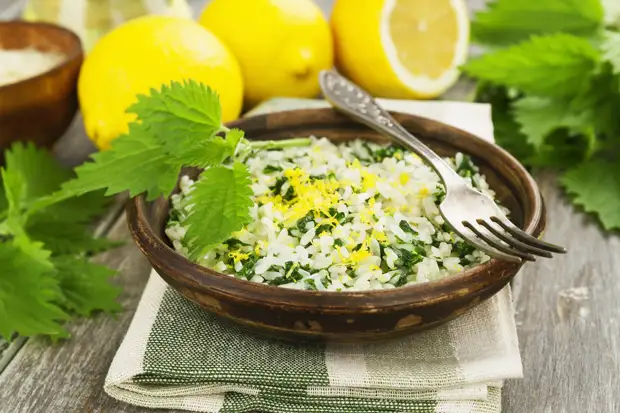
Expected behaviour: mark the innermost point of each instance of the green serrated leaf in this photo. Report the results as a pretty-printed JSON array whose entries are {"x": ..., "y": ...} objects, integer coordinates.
[
  {"x": 506, "y": 130},
  {"x": 595, "y": 185},
  {"x": 40, "y": 172},
  {"x": 86, "y": 286},
  {"x": 28, "y": 292},
  {"x": 215, "y": 151},
  {"x": 14, "y": 185},
  {"x": 80, "y": 209},
  {"x": 600, "y": 100},
  {"x": 550, "y": 66},
  {"x": 176, "y": 125},
  {"x": 221, "y": 201},
  {"x": 4, "y": 204},
  {"x": 539, "y": 117},
  {"x": 563, "y": 149},
  {"x": 66, "y": 237},
  {"x": 181, "y": 115},
  {"x": 135, "y": 163},
  {"x": 505, "y": 22}
]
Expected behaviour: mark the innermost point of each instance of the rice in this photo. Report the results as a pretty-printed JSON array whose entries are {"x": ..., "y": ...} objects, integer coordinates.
[{"x": 349, "y": 217}]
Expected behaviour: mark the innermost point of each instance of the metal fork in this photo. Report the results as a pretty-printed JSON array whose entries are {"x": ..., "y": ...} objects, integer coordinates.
[{"x": 474, "y": 216}]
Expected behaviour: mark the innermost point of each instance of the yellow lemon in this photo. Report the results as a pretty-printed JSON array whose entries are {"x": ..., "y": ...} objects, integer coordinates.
[
  {"x": 145, "y": 53},
  {"x": 281, "y": 45},
  {"x": 401, "y": 48}
]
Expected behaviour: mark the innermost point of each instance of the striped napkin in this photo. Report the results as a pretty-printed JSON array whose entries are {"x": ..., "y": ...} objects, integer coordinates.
[{"x": 177, "y": 356}]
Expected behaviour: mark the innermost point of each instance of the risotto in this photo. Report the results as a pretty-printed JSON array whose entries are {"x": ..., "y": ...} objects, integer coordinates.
[{"x": 354, "y": 216}]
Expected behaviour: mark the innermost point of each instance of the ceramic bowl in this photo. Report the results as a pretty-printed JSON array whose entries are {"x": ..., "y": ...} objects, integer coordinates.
[
  {"x": 39, "y": 109},
  {"x": 346, "y": 316}
]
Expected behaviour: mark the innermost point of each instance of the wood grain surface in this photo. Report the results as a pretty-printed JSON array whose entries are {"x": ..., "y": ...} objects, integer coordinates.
[
  {"x": 568, "y": 318},
  {"x": 568, "y": 321}
]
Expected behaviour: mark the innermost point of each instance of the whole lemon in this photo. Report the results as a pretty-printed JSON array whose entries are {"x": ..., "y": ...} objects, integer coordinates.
[
  {"x": 145, "y": 53},
  {"x": 401, "y": 49},
  {"x": 281, "y": 45}
]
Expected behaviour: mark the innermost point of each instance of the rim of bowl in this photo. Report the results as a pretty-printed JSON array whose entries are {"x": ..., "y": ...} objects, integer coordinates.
[
  {"x": 75, "y": 53},
  {"x": 440, "y": 290}
]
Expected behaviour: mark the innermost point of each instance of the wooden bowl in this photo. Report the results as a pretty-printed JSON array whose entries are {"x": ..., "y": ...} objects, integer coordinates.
[
  {"x": 40, "y": 108},
  {"x": 346, "y": 316}
]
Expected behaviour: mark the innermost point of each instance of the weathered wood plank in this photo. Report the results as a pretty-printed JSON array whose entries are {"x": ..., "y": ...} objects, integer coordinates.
[
  {"x": 68, "y": 377},
  {"x": 570, "y": 344}
]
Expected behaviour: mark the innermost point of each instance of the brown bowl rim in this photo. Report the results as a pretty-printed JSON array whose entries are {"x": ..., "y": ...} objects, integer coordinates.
[
  {"x": 75, "y": 53},
  {"x": 168, "y": 260}
]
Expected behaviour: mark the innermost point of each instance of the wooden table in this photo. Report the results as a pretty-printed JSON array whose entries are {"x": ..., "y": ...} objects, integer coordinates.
[{"x": 570, "y": 346}]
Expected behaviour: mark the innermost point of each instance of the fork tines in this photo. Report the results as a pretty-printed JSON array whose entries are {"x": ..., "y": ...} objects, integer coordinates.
[{"x": 508, "y": 239}]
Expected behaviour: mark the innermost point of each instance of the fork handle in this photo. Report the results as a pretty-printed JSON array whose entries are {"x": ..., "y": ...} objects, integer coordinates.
[{"x": 358, "y": 104}]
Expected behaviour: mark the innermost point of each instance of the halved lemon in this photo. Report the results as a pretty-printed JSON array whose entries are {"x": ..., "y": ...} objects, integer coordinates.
[{"x": 401, "y": 48}]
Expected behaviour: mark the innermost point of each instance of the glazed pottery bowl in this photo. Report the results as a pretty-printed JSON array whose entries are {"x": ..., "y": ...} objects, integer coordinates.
[
  {"x": 39, "y": 109},
  {"x": 346, "y": 316}
]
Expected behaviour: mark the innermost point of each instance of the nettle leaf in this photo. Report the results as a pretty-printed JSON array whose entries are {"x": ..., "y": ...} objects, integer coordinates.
[
  {"x": 562, "y": 149},
  {"x": 14, "y": 184},
  {"x": 28, "y": 292},
  {"x": 80, "y": 209},
  {"x": 221, "y": 201},
  {"x": 215, "y": 151},
  {"x": 65, "y": 237},
  {"x": 181, "y": 115},
  {"x": 44, "y": 213},
  {"x": 539, "y": 117},
  {"x": 600, "y": 100},
  {"x": 554, "y": 65},
  {"x": 85, "y": 285},
  {"x": 505, "y": 22},
  {"x": 506, "y": 130},
  {"x": 176, "y": 126},
  {"x": 40, "y": 172},
  {"x": 595, "y": 185},
  {"x": 4, "y": 204},
  {"x": 135, "y": 162}
]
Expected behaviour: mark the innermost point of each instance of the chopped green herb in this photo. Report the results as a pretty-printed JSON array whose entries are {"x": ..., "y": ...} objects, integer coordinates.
[
  {"x": 277, "y": 187},
  {"x": 233, "y": 243},
  {"x": 402, "y": 280},
  {"x": 290, "y": 194},
  {"x": 408, "y": 259},
  {"x": 270, "y": 168},
  {"x": 247, "y": 271},
  {"x": 301, "y": 223},
  {"x": 404, "y": 225}
]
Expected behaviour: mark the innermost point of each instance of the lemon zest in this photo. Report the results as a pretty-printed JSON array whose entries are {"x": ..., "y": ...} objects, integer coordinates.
[
  {"x": 238, "y": 255},
  {"x": 378, "y": 235},
  {"x": 369, "y": 180},
  {"x": 404, "y": 178}
]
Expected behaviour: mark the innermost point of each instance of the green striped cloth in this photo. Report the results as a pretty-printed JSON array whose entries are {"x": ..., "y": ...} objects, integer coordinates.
[{"x": 177, "y": 356}]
